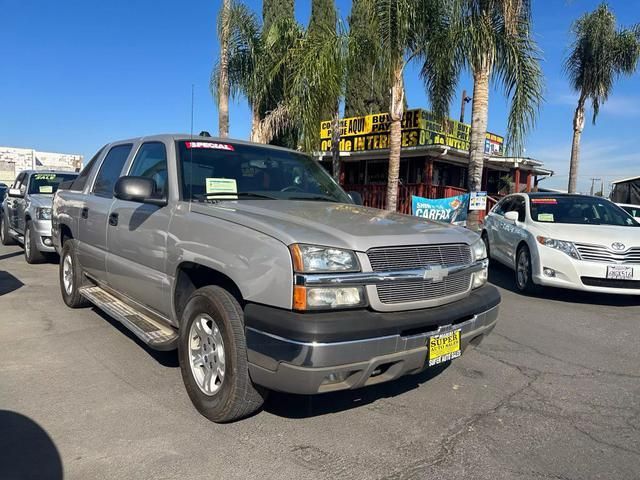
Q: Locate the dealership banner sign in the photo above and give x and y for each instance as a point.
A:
(419, 128)
(446, 210)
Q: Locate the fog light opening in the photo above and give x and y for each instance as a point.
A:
(336, 377)
(549, 272)
(47, 241)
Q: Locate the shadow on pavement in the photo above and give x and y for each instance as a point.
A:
(11, 255)
(304, 406)
(26, 450)
(166, 359)
(503, 277)
(8, 283)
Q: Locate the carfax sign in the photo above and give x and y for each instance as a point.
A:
(446, 210)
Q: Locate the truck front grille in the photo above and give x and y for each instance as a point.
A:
(414, 257)
(600, 253)
(405, 292)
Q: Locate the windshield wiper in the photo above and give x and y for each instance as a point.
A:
(323, 198)
(212, 196)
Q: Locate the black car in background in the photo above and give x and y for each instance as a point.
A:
(3, 191)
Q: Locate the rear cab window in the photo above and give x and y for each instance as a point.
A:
(110, 170)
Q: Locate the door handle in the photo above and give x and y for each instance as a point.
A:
(113, 219)
(84, 213)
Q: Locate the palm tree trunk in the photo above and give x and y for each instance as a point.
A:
(578, 126)
(223, 94)
(395, 137)
(479, 115)
(335, 145)
(255, 123)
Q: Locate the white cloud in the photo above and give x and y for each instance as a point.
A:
(607, 159)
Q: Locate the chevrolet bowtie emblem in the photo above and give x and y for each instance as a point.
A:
(435, 273)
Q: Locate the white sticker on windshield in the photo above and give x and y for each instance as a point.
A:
(45, 189)
(545, 217)
(217, 187)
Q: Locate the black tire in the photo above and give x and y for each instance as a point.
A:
(31, 253)
(5, 236)
(523, 271)
(72, 298)
(237, 396)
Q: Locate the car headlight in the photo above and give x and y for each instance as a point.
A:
(316, 259)
(478, 250)
(43, 213)
(566, 247)
(479, 253)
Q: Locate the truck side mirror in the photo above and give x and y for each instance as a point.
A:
(356, 197)
(15, 193)
(138, 189)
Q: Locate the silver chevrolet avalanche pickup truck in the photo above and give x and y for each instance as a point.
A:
(262, 272)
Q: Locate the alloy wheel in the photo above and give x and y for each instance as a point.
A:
(206, 354)
(67, 274)
(523, 269)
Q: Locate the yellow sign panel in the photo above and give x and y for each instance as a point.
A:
(419, 128)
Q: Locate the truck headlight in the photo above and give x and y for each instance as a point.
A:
(321, 298)
(316, 259)
(43, 213)
(479, 254)
(478, 250)
(566, 247)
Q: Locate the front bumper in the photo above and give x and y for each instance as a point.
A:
(317, 366)
(42, 229)
(572, 274)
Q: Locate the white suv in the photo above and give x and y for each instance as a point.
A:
(562, 240)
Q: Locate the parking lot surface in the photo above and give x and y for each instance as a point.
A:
(553, 393)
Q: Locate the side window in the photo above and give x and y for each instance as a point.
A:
(81, 180)
(151, 162)
(518, 205)
(19, 180)
(110, 170)
(503, 206)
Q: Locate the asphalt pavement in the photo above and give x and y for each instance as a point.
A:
(553, 393)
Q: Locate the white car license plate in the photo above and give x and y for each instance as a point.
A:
(619, 272)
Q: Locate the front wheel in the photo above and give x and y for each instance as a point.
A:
(5, 236)
(213, 357)
(524, 281)
(31, 253)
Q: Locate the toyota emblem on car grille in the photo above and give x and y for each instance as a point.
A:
(618, 246)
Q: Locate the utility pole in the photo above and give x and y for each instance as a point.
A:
(593, 181)
(464, 101)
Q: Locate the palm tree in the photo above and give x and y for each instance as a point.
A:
(298, 73)
(494, 41)
(223, 73)
(600, 54)
(412, 31)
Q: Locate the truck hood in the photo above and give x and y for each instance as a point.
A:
(594, 234)
(333, 224)
(40, 200)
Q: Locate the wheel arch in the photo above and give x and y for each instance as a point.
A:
(191, 276)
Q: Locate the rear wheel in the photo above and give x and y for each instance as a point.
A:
(5, 236)
(213, 357)
(31, 252)
(524, 281)
(71, 278)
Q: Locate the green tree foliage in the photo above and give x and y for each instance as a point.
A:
(367, 91)
(274, 10)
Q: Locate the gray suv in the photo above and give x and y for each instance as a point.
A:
(262, 272)
(25, 215)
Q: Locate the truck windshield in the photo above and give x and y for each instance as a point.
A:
(47, 183)
(226, 171)
(578, 210)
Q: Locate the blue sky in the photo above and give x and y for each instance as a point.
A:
(78, 74)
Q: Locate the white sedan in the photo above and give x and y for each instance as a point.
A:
(563, 240)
